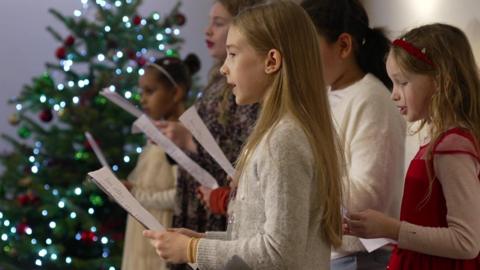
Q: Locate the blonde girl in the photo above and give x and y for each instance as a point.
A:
(286, 213)
(435, 81)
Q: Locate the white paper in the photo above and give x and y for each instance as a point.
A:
(375, 243)
(121, 102)
(192, 121)
(96, 149)
(107, 181)
(198, 173)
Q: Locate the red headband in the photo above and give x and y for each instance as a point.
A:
(412, 50)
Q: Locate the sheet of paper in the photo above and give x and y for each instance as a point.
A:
(192, 121)
(107, 181)
(199, 174)
(96, 149)
(375, 243)
(121, 102)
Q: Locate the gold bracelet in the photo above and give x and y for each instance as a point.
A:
(194, 250)
(189, 249)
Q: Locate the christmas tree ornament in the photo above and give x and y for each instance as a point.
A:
(88, 237)
(14, 119)
(136, 20)
(46, 115)
(22, 228)
(180, 19)
(24, 132)
(24, 182)
(141, 61)
(61, 53)
(69, 41)
(33, 197)
(23, 199)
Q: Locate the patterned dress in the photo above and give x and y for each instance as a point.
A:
(230, 125)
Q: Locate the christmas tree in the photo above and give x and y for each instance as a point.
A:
(50, 216)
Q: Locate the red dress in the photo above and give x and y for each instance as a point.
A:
(434, 211)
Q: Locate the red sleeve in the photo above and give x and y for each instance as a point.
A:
(219, 200)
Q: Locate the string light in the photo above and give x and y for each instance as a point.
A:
(101, 57)
(60, 87)
(52, 225)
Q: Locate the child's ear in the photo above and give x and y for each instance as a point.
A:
(179, 94)
(345, 43)
(273, 62)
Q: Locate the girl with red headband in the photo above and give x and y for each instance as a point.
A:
(436, 82)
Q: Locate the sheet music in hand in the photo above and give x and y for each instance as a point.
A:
(121, 102)
(106, 180)
(198, 173)
(192, 121)
(96, 149)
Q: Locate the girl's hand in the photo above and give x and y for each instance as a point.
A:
(178, 134)
(204, 195)
(171, 246)
(371, 224)
(187, 232)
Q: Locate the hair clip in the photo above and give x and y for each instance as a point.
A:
(420, 54)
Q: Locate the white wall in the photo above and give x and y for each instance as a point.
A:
(398, 16)
(25, 44)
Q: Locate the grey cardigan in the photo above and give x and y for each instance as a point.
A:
(275, 219)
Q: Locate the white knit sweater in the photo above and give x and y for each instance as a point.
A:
(372, 133)
(275, 218)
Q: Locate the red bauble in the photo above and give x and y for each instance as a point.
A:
(23, 199)
(180, 19)
(32, 197)
(22, 228)
(136, 20)
(61, 53)
(131, 54)
(46, 115)
(88, 237)
(69, 41)
(141, 61)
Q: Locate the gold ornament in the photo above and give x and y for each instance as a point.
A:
(14, 119)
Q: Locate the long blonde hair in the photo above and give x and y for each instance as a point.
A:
(299, 90)
(456, 102)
